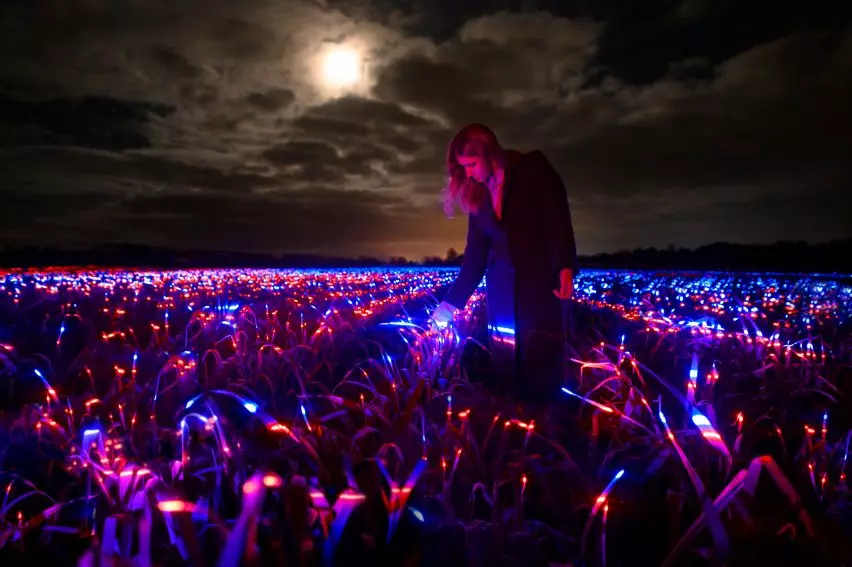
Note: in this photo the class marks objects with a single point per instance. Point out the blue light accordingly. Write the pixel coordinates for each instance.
(397, 324)
(418, 515)
(700, 420)
(250, 406)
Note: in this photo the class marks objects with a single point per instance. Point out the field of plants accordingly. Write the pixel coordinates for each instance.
(285, 417)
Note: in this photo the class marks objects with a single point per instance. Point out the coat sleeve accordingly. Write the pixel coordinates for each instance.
(473, 265)
(558, 216)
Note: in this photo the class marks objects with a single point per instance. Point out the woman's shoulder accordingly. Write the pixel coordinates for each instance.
(536, 157)
(531, 161)
(518, 156)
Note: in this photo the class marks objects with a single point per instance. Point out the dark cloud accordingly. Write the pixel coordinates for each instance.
(426, 83)
(243, 39)
(173, 63)
(640, 44)
(314, 162)
(373, 113)
(356, 118)
(206, 122)
(201, 94)
(105, 171)
(757, 121)
(90, 122)
(297, 153)
(272, 100)
(352, 136)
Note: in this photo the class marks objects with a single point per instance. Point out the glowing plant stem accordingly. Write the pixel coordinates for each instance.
(600, 502)
(51, 393)
(739, 439)
(607, 409)
(692, 385)
(603, 534)
(720, 537)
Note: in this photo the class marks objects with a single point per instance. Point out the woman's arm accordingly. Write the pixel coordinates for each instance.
(473, 265)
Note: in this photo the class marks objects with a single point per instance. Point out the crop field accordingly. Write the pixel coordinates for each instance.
(314, 417)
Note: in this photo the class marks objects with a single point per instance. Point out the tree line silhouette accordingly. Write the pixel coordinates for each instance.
(785, 256)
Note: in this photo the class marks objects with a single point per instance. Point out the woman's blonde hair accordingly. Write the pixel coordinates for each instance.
(474, 140)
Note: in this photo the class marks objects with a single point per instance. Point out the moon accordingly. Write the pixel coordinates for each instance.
(342, 67)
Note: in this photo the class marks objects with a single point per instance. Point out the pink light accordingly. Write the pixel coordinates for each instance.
(271, 481)
(175, 506)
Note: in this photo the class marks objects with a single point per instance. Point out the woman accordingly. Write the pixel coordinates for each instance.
(520, 233)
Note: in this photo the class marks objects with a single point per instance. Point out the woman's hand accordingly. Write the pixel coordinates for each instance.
(566, 285)
(443, 314)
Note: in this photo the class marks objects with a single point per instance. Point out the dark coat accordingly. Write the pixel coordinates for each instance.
(522, 254)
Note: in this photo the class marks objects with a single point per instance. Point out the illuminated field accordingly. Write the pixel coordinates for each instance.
(197, 409)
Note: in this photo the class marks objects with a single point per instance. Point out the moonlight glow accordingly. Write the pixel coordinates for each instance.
(342, 67)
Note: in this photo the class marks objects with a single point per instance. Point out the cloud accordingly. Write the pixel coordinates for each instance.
(90, 122)
(271, 100)
(109, 172)
(752, 124)
(495, 65)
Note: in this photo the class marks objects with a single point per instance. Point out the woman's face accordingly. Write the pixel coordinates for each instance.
(475, 167)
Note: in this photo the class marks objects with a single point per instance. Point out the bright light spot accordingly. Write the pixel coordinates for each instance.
(342, 67)
(175, 506)
(701, 420)
(250, 406)
(271, 481)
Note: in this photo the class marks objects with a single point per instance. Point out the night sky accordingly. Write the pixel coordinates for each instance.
(214, 124)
